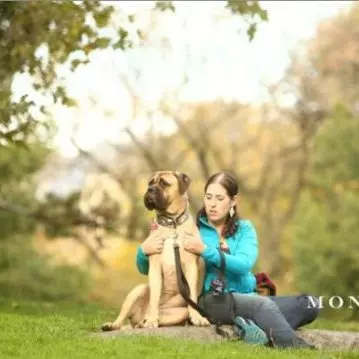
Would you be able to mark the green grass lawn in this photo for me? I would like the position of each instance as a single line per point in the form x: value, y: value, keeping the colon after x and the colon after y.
x: 46, y: 330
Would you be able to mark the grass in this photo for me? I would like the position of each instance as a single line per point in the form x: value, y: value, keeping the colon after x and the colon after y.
x: 52, y: 330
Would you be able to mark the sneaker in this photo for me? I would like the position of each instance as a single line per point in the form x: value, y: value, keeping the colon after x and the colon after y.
x: 250, y: 332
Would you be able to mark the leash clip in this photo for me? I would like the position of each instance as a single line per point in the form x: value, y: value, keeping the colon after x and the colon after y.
x: 174, y: 237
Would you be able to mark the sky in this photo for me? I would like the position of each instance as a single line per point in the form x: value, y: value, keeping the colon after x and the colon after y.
x: 204, y: 44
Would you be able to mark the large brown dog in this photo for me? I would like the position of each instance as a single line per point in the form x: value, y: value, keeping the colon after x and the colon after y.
x: 159, y: 302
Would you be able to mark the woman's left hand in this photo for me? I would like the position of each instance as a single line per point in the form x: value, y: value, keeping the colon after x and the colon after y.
x: 192, y: 243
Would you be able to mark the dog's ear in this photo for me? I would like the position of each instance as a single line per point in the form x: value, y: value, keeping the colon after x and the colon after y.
x: 183, y: 181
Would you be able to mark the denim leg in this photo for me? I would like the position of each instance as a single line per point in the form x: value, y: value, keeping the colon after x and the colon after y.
x: 298, y: 310
x: 266, y: 314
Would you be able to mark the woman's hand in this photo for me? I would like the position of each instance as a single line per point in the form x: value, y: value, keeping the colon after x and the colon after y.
x: 192, y: 243
x: 153, y: 244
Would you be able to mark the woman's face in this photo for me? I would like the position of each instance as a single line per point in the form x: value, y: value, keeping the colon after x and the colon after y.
x: 217, y: 203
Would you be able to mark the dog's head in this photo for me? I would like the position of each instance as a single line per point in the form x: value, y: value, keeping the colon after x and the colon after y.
x: 165, y: 188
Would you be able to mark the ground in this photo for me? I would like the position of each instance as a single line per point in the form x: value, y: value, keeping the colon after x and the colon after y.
x: 323, y: 339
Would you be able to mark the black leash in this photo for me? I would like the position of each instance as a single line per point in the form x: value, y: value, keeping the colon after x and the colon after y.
x: 218, y: 289
x: 183, y: 286
x: 182, y: 283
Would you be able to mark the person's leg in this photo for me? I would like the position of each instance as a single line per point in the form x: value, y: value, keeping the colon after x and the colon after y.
x: 298, y: 310
x: 266, y: 314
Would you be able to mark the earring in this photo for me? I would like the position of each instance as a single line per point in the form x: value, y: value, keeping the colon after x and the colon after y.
x: 231, y: 212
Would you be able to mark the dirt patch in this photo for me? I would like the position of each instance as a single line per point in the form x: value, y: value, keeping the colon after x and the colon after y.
x: 331, y: 339
x: 323, y: 339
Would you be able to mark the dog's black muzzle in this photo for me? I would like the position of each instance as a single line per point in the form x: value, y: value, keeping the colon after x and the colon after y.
x: 154, y: 199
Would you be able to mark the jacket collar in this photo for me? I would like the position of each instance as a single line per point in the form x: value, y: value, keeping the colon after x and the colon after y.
x: 204, y: 221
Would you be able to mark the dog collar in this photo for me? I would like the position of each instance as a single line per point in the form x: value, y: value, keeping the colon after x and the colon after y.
x: 172, y: 222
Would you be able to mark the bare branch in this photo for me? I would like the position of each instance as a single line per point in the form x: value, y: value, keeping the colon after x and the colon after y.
x: 300, y: 182
x: 95, y: 161
x: 182, y: 155
x: 8, y: 206
x: 200, y: 150
x: 147, y: 155
x: 93, y: 253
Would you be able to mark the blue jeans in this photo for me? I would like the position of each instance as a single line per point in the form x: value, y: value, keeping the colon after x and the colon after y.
x: 297, y: 310
x: 278, y: 316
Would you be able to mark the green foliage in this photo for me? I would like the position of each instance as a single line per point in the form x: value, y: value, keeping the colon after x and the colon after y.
x: 336, y: 154
x: 59, y: 214
x: 25, y: 274
x: 165, y: 5
x: 34, y: 38
x: 37, y: 36
x: 327, y: 223
x: 251, y: 12
x: 20, y: 210
x: 18, y: 164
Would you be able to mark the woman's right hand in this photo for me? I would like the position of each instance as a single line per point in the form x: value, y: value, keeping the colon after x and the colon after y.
x: 153, y: 244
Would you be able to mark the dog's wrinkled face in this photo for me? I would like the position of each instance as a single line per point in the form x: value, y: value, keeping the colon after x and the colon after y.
x: 163, y: 188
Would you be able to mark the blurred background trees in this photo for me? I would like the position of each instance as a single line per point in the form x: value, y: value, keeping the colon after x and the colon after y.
x: 296, y: 162
x: 326, y: 224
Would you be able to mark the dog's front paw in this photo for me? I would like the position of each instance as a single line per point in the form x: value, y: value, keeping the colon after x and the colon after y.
x: 150, y: 322
x: 197, y: 319
x: 107, y: 327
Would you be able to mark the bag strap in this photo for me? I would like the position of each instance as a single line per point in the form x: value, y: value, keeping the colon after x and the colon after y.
x: 183, y: 286
x: 221, y: 276
x: 184, y: 290
x: 222, y: 265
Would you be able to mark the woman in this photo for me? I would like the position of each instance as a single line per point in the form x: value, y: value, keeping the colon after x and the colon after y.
x: 221, y: 228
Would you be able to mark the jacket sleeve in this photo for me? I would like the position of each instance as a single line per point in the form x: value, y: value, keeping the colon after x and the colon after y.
x: 245, y: 255
x: 142, y: 261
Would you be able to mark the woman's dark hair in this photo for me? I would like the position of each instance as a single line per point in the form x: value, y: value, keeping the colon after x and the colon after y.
x: 229, y: 182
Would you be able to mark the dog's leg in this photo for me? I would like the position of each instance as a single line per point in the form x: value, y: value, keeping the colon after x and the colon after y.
x: 155, y: 283
x: 173, y: 316
x: 175, y: 301
x: 169, y: 316
x: 134, y: 301
x: 193, y: 277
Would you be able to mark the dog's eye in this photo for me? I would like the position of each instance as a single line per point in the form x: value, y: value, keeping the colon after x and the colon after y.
x: 164, y: 183
x: 151, y: 182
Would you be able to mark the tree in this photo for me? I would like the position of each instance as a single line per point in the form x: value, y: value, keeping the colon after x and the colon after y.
x: 327, y: 225
x: 17, y: 188
x: 322, y: 82
x: 319, y: 78
x: 326, y: 72
x: 36, y: 37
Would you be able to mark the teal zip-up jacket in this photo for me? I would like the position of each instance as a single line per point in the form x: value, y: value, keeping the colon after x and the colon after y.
x: 243, y: 253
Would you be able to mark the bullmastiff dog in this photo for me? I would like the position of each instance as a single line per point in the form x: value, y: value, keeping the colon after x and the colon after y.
x: 159, y: 302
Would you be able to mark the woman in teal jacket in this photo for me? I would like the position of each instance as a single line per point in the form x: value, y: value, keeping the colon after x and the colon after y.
x: 222, y: 229
x: 242, y: 253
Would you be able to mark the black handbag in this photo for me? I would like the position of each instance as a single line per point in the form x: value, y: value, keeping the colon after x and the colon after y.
x: 218, y: 306
x: 217, y: 303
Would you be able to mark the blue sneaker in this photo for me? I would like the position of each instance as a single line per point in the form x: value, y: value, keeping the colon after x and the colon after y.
x: 250, y: 332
